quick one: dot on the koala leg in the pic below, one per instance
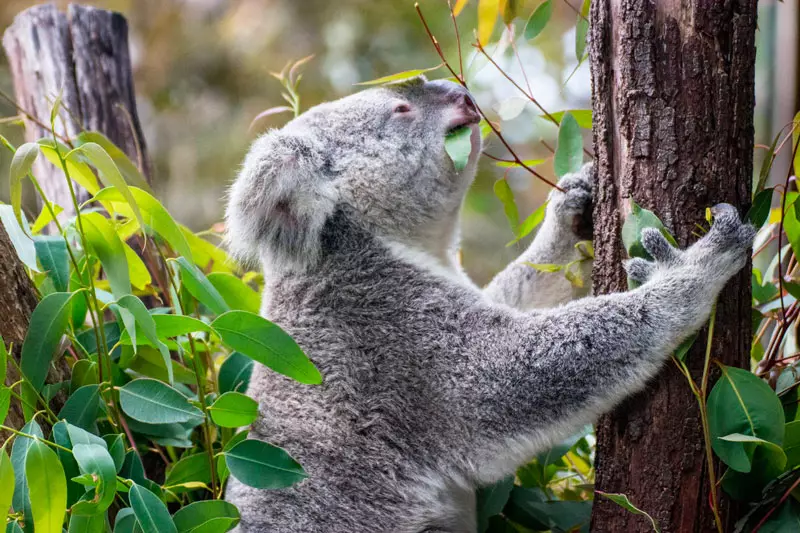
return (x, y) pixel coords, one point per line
(567, 221)
(536, 377)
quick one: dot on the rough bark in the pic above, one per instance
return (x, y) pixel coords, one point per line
(673, 96)
(17, 301)
(83, 56)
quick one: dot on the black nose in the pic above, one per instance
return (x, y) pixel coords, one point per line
(450, 92)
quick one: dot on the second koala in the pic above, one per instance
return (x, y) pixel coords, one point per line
(432, 386)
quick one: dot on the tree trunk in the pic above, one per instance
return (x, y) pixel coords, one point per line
(83, 56)
(17, 301)
(673, 97)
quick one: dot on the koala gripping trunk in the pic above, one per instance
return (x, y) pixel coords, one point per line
(673, 96)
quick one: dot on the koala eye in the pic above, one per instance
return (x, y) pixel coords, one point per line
(399, 109)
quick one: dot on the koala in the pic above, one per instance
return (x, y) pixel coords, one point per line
(432, 386)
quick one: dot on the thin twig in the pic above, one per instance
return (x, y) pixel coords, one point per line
(458, 40)
(783, 499)
(477, 107)
(34, 119)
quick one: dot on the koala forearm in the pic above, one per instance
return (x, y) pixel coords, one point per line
(523, 287)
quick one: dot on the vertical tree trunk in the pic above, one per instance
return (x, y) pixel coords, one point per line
(83, 56)
(673, 96)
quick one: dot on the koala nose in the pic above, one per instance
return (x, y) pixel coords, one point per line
(448, 91)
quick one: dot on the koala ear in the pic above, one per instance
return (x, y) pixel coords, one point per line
(280, 201)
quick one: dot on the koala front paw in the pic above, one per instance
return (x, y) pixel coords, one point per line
(719, 254)
(573, 207)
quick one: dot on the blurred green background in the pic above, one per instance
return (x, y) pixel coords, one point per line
(202, 67)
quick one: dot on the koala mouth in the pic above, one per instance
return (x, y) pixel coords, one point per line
(466, 114)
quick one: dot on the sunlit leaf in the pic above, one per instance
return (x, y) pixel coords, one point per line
(266, 343)
(530, 223)
(127, 167)
(569, 152)
(263, 466)
(538, 20)
(513, 164)
(154, 402)
(582, 116)
(153, 214)
(137, 271)
(95, 523)
(145, 322)
(795, 139)
(487, 15)
(400, 76)
(47, 487)
(581, 30)
(458, 7)
(79, 171)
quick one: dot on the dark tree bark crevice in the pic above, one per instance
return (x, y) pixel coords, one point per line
(673, 96)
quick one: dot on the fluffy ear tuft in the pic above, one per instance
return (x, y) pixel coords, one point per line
(279, 203)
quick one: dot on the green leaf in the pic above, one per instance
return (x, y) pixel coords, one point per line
(538, 20)
(5, 402)
(116, 449)
(786, 520)
(53, 256)
(263, 466)
(154, 402)
(795, 138)
(569, 152)
(144, 320)
(766, 165)
(791, 444)
(107, 246)
(19, 236)
(19, 454)
(742, 403)
(506, 196)
(97, 462)
(514, 164)
(87, 523)
(150, 363)
(206, 255)
(47, 487)
(639, 219)
(154, 214)
(582, 116)
(233, 410)
(48, 323)
(191, 468)
(125, 522)
(623, 501)
(84, 372)
(581, 30)
(487, 15)
(491, 500)
(6, 483)
(108, 172)
(78, 171)
(266, 343)
(137, 270)
(458, 145)
(530, 223)
(400, 76)
(21, 164)
(150, 512)
(234, 374)
(81, 408)
(128, 169)
(236, 293)
(61, 437)
(198, 286)
(759, 211)
(209, 516)
(3, 360)
(45, 217)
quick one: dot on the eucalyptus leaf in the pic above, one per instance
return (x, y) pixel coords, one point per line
(234, 409)
(538, 20)
(154, 402)
(569, 152)
(47, 487)
(458, 145)
(150, 511)
(209, 516)
(263, 466)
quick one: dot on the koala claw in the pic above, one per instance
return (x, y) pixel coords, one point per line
(723, 250)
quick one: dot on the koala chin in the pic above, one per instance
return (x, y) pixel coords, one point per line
(432, 386)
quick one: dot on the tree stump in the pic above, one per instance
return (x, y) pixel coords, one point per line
(673, 97)
(83, 56)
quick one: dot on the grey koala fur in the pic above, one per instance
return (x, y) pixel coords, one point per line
(432, 386)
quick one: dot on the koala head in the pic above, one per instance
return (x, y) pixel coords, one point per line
(379, 154)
